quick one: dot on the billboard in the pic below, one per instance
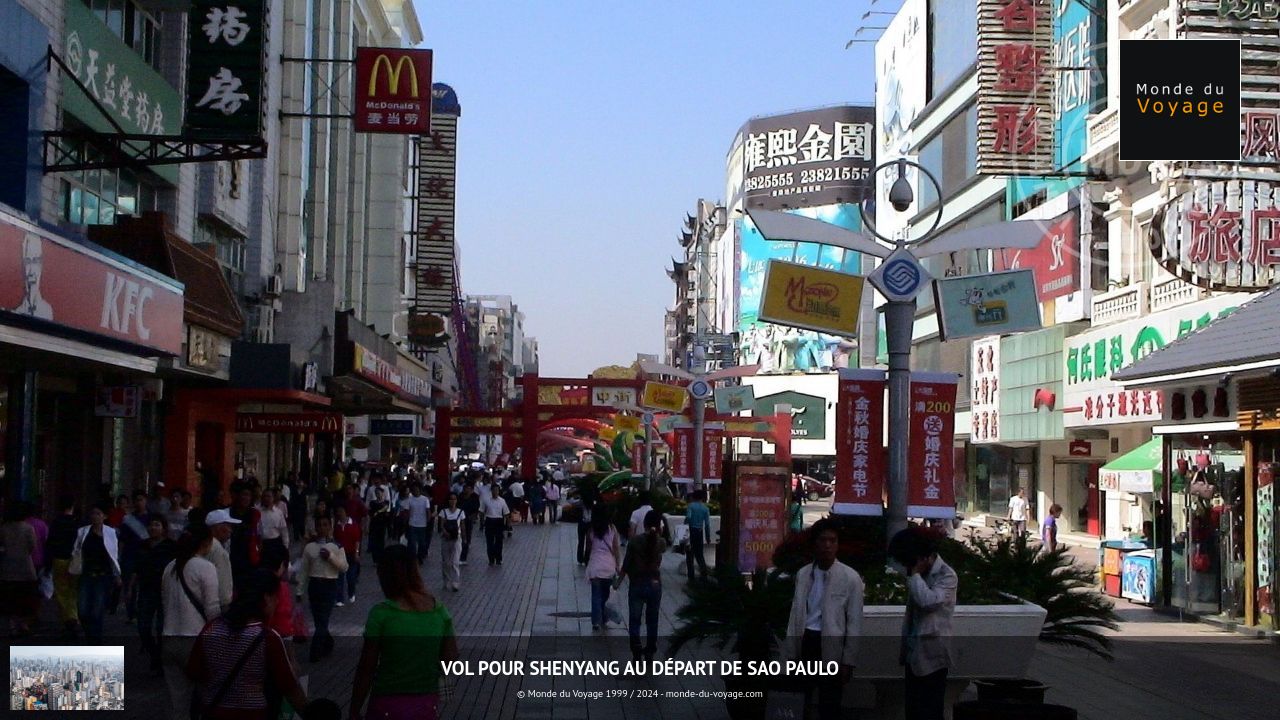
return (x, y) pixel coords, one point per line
(779, 349)
(991, 304)
(809, 158)
(931, 492)
(1015, 87)
(435, 249)
(393, 91)
(224, 67)
(811, 298)
(902, 82)
(1055, 260)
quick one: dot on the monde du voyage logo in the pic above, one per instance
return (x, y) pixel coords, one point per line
(1180, 100)
(813, 298)
(393, 91)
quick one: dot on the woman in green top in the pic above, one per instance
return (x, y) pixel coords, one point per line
(796, 512)
(406, 638)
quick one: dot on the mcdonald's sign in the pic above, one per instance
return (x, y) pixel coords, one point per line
(393, 91)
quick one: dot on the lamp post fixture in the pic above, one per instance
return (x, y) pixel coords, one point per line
(900, 278)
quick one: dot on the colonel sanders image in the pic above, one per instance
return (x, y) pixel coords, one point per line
(32, 265)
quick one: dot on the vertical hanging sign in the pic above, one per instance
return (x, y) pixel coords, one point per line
(930, 485)
(860, 460)
(1015, 87)
(224, 68)
(712, 453)
(393, 91)
(682, 455)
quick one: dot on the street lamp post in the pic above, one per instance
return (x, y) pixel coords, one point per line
(900, 278)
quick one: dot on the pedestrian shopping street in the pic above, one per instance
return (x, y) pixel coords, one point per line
(536, 606)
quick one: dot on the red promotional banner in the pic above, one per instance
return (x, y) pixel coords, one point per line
(860, 458)
(393, 91)
(762, 514)
(930, 488)
(682, 455)
(47, 278)
(712, 455)
(1056, 260)
(637, 456)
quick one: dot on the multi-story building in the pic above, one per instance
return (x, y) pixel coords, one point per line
(693, 318)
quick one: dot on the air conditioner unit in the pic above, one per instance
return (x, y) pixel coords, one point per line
(263, 331)
(275, 286)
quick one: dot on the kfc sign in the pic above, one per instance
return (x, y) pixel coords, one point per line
(1056, 260)
(393, 91)
(45, 277)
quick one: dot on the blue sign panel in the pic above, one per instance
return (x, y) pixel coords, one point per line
(383, 426)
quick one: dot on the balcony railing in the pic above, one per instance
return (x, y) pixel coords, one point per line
(1171, 291)
(1103, 131)
(1123, 303)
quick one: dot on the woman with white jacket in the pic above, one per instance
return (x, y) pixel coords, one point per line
(189, 593)
(96, 559)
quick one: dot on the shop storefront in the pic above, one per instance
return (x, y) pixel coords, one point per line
(80, 333)
(1220, 441)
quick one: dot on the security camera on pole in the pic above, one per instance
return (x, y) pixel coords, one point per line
(900, 278)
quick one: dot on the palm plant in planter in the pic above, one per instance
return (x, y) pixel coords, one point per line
(738, 615)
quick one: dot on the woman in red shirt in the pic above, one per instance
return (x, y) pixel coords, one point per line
(346, 532)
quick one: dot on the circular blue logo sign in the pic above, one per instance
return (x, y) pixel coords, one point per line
(901, 277)
(700, 389)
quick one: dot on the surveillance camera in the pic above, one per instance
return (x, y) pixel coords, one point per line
(900, 195)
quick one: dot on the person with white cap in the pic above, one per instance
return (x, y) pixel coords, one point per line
(219, 522)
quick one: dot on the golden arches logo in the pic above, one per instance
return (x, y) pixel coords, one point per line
(393, 75)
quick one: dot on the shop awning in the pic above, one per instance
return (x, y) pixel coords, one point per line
(1137, 471)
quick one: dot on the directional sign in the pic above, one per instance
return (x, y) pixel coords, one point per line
(700, 389)
(901, 277)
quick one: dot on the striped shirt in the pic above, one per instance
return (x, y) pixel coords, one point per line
(217, 651)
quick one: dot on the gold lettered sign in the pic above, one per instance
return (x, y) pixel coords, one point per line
(811, 298)
(661, 396)
(627, 423)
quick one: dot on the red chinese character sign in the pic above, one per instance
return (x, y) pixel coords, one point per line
(860, 460)
(762, 514)
(393, 91)
(1222, 235)
(930, 488)
(682, 450)
(1015, 87)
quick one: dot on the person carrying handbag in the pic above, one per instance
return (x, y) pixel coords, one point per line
(189, 597)
(604, 561)
(238, 662)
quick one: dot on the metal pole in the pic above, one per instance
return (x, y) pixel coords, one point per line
(699, 418)
(899, 321)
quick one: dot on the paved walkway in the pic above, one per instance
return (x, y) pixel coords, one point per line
(537, 607)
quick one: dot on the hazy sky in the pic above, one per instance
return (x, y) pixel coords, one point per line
(115, 652)
(589, 130)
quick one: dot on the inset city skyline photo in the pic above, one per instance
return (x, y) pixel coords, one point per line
(66, 677)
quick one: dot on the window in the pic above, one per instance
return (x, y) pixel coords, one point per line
(135, 27)
(96, 197)
(951, 155)
(229, 248)
(953, 43)
(1099, 251)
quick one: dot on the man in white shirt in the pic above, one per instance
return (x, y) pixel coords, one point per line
(637, 517)
(1018, 513)
(219, 523)
(419, 507)
(273, 527)
(826, 616)
(495, 523)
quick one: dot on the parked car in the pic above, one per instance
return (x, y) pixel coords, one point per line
(815, 489)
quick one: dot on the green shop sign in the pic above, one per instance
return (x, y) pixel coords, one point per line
(131, 92)
(808, 413)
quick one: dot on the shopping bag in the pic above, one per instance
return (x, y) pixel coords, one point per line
(46, 584)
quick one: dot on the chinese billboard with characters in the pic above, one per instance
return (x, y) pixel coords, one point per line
(1016, 82)
(902, 82)
(1222, 235)
(660, 396)
(779, 349)
(992, 304)
(1090, 397)
(682, 458)
(224, 67)
(393, 91)
(762, 514)
(810, 298)
(931, 485)
(809, 158)
(860, 458)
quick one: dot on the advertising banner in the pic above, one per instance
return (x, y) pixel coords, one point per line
(682, 455)
(435, 252)
(661, 396)
(808, 413)
(1016, 82)
(712, 453)
(1091, 397)
(762, 514)
(984, 396)
(393, 91)
(389, 426)
(902, 82)
(735, 398)
(288, 422)
(628, 423)
(1055, 261)
(1222, 235)
(45, 277)
(809, 158)
(992, 304)
(613, 397)
(224, 68)
(930, 487)
(811, 298)
(778, 349)
(860, 452)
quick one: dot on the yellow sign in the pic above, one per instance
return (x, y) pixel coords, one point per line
(661, 396)
(629, 423)
(393, 75)
(811, 298)
(607, 434)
